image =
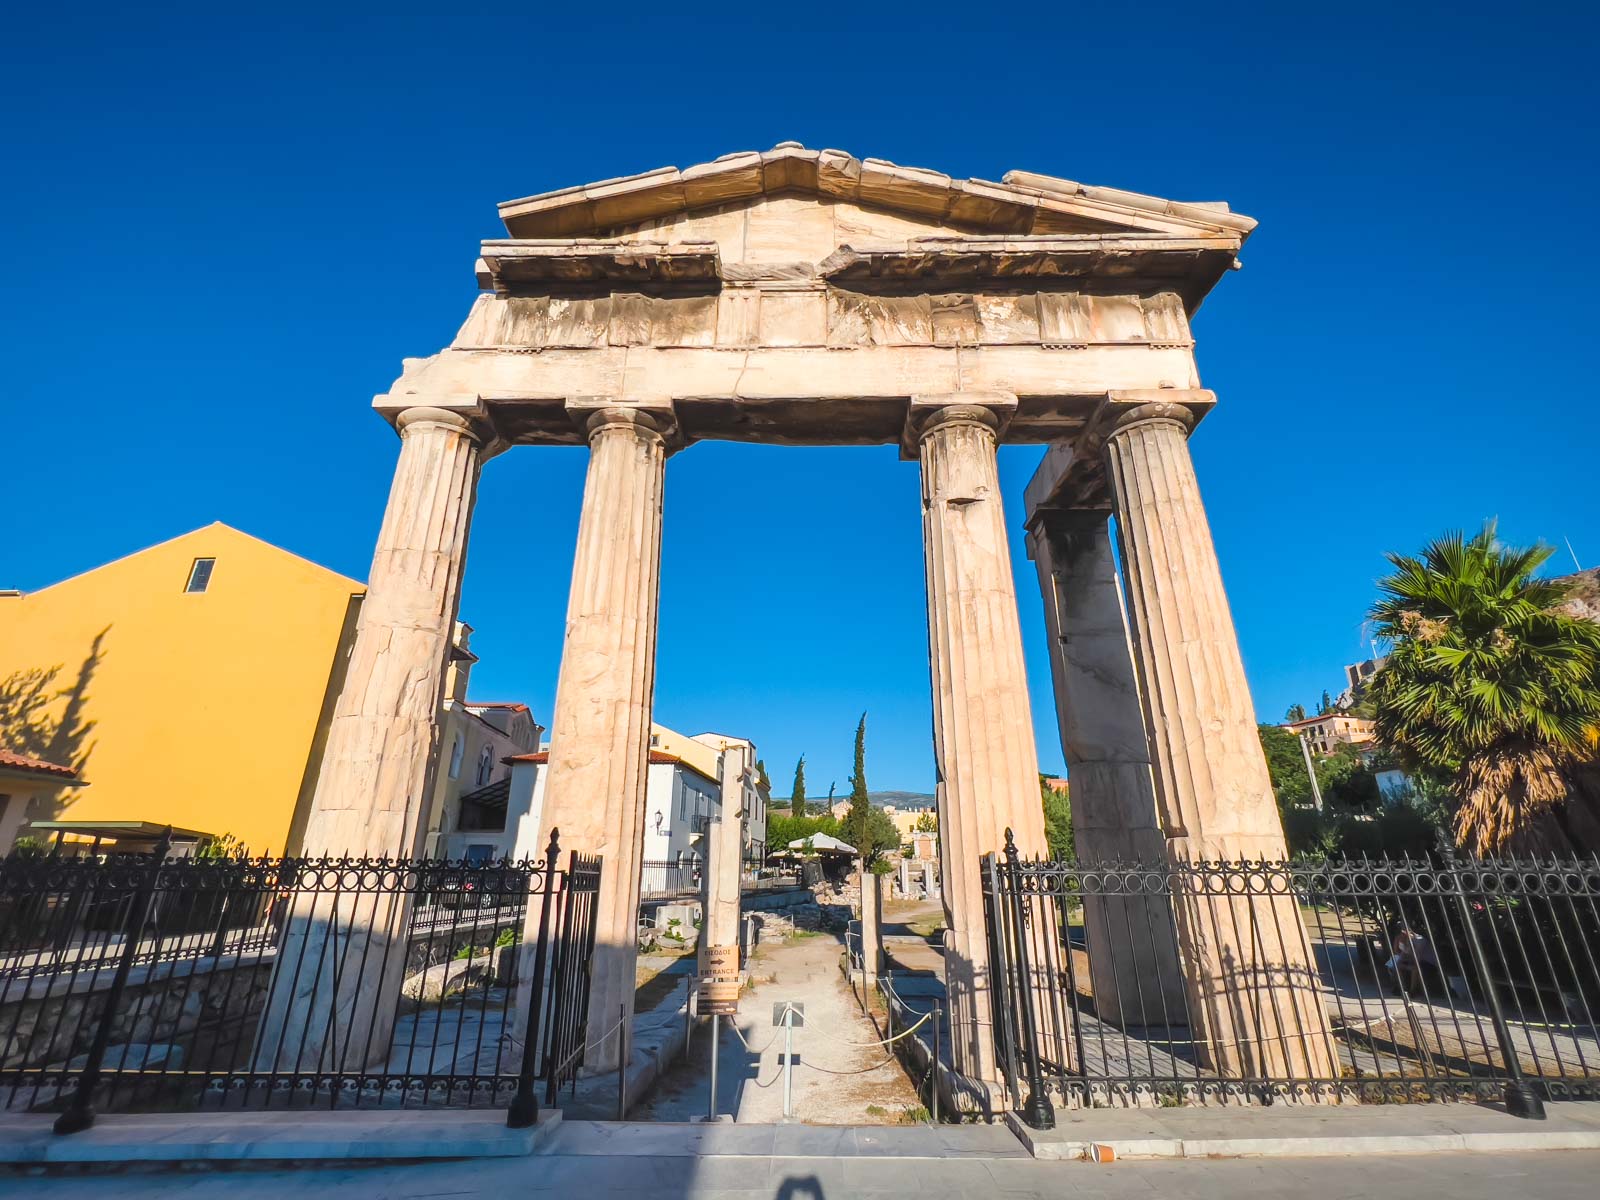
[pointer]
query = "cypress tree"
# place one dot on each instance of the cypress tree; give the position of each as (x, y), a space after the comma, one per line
(856, 827)
(797, 797)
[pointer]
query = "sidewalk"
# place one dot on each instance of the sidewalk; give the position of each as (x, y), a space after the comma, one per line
(676, 1162)
(1218, 1133)
(1309, 1130)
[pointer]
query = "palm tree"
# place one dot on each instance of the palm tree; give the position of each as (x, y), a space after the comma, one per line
(1490, 686)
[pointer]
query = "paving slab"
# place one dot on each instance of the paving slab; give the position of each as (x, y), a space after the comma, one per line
(1308, 1130)
(667, 1139)
(299, 1137)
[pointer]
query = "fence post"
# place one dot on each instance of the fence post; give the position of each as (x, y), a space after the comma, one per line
(1001, 1016)
(1036, 1110)
(937, 1015)
(524, 1110)
(622, 1063)
(79, 1114)
(1521, 1098)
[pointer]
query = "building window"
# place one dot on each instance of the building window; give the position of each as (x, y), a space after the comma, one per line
(456, 750)
(200, 575)
(486, 765)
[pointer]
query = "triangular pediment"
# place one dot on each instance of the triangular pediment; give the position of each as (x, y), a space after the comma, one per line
(866, 199)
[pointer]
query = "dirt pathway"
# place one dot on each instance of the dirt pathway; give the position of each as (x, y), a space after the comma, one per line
(835, 1083)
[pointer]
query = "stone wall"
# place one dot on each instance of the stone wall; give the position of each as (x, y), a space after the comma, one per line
(190, 1005)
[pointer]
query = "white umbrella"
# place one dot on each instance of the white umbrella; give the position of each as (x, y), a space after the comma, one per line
(822, 841)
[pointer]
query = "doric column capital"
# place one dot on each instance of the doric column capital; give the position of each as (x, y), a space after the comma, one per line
(649, 420)
(1124, 419)
(932, 411)
(426, 417)
(1126, 408)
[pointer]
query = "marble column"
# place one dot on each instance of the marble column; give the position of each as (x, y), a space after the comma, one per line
(719, 925)
(1133, 953)
(871, 924)
(377, 768)
(600, 734)
(1253, 984)
(987, 763)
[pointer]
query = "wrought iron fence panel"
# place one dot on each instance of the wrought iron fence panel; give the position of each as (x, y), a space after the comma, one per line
(1408, 979)
(670, 880)
(142, 983)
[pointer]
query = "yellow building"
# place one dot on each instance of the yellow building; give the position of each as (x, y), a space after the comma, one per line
(1326, 733)
(195, 680)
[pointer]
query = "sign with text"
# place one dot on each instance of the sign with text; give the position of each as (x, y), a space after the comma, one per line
(719, 997)
(720, 962)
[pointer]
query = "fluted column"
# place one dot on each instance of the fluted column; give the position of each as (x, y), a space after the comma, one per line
(1133, 953)
(724, 843)
(372, 793)
(982, 724)
(600, 734)
(333, 999)
(1248, 960)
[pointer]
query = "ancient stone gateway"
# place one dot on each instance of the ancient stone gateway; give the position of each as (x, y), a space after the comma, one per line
(806, 297)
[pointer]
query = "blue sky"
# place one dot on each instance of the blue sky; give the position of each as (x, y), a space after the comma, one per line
(223, 227)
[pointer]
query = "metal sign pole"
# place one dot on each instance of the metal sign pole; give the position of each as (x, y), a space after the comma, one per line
(788, 1062)
(711, 1106)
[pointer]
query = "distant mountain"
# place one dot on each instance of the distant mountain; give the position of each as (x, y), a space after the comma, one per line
(907, 800)
(901, 800)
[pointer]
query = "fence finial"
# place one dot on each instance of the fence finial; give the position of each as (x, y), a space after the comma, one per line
(554, 849)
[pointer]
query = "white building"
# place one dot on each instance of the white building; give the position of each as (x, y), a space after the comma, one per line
(738, 770)
(467, 816)
(684, 796)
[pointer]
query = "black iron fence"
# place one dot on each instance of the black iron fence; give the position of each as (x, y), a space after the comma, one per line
(686, 881)
(146, 983)
(1383, 981)
(670, 880)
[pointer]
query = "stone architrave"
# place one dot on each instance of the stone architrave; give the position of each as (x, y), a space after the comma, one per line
(1133, 954)
(987, 763)
(1253, 985)
(333, 997)
(600, 733)
(719, 925)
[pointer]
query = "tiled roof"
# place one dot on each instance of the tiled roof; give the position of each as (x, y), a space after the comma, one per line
(21, 762)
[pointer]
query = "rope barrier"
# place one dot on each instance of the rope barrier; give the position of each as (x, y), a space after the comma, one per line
(748, 1046)
(588, 1045)
(926, 1017)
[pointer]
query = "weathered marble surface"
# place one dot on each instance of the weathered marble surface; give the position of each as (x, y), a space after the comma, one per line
(1132, 948)
(371, 793)
(1252, 985)
(600, 733)
(725, 855)
(986, 760)
(379, 763)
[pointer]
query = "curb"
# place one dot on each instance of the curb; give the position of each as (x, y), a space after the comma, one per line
(298, 1138)
(1105, 1150)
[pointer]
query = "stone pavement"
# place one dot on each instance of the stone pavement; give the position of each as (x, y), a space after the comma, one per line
(668, 1162)
(834, 1083)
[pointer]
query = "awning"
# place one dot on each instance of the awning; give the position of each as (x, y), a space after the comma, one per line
(137, 831)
